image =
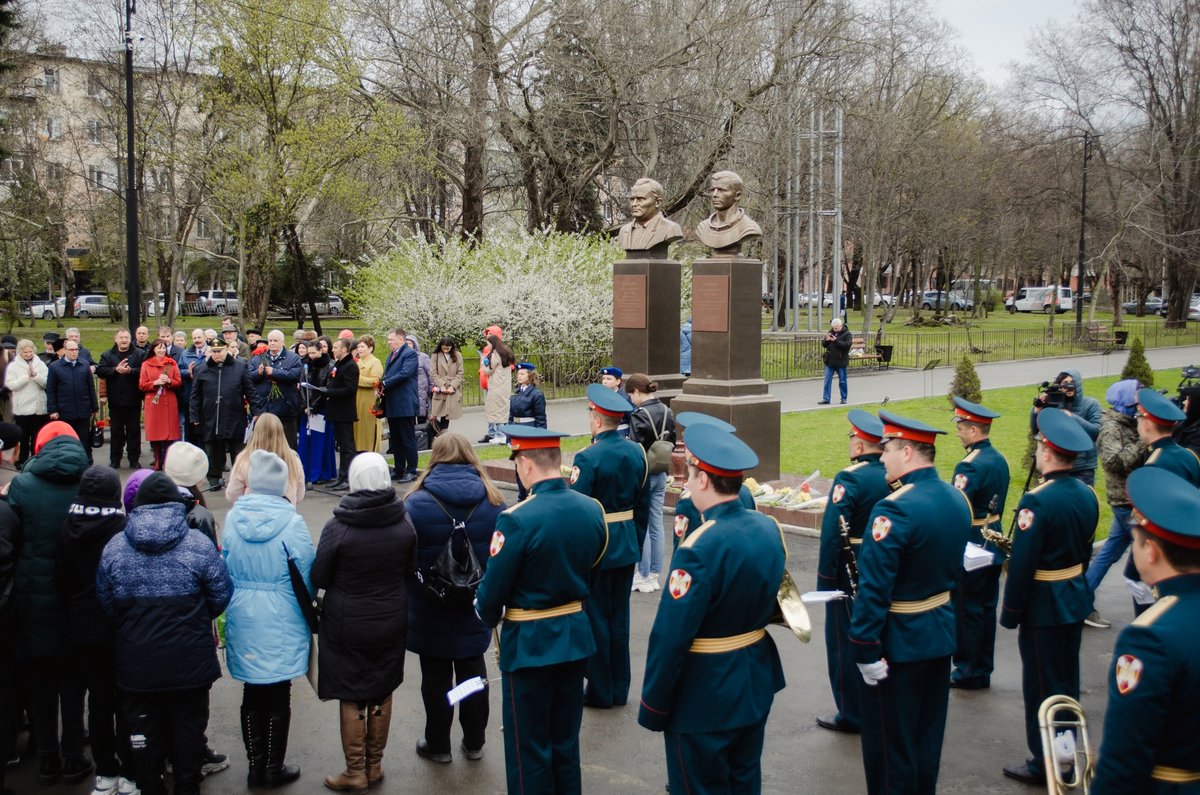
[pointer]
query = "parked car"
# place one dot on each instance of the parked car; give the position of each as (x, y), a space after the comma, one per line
(944, 300)
(154, 308)
(1154, 306)
(884, 298)
(91, 306)
(218, 302)
(1194, 308)
(48, 310)
(1040, 299)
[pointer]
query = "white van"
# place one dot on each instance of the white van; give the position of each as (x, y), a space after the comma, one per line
(1040, 299)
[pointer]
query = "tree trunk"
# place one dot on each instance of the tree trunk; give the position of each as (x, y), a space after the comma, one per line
(302, 277)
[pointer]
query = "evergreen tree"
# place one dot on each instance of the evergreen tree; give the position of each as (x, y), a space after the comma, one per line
(1136, 365)
(966, 382)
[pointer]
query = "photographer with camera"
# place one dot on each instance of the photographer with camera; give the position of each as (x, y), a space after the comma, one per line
(1066, 393)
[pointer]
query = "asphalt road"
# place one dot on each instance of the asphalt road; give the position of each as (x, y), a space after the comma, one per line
(984, 730)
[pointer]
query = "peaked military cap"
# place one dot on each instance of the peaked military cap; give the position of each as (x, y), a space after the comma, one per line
(689, 418)
(897, 427)
(1061, 433)
(1166, 505)
(1156, 407)
(719, 452)
(615, 372)
(866, 425)
(608, 402)
(218, 344)
(527, 437)
(973, 412)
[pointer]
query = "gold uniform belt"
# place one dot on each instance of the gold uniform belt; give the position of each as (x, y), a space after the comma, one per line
(521, 614)
(985, 521)
(1174, 775)
(618, 516)
(923, 606)
(854, 540)
(732, 643)
(1058, 575)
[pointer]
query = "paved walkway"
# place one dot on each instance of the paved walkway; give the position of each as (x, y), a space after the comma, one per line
(872, 387)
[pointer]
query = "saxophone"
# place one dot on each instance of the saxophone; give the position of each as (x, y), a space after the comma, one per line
(1002, 542)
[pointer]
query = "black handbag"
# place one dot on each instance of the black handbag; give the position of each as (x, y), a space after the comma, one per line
(452, 581)
(308, 605)
(97, 436)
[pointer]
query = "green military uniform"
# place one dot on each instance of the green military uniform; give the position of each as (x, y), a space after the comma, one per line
(545, 556)
(1153, 701)
(1046, 595)
(615, 473)
(712, 671)
(852, 497)
(983, 476)
(910, 564)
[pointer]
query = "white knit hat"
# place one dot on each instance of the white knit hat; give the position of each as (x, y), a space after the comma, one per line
(268, 474)
(369, 472)
(186, 464)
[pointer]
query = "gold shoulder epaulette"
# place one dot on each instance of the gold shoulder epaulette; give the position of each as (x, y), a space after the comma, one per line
(1153, 457)
(1155, 611)
(1040, 486)
(853, 467)
(969, 457)
(900, 491)
(692, 536)
(525, 501)
(686, 495)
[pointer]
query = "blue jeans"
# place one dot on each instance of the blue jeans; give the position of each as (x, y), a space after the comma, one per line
(1087, 476)
(652, 549)
(841, 374)
(1119, 538)
(494, 429)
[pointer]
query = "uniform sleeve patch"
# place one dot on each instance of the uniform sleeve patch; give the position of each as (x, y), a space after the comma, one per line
(497, 543)
(681, 523)
(1129, 671)
(679, 583)
(1024, 518)
(960, 481)
(881, 527)
(839, 491)
(574, 474)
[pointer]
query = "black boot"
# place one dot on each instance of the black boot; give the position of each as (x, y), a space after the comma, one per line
(254, 736)
(278, 773)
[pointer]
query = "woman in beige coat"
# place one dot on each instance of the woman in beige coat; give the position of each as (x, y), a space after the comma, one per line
(446, 372)
(367, 438)
(498, 364)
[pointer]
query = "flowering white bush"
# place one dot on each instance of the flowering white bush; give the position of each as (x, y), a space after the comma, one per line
(549, 292)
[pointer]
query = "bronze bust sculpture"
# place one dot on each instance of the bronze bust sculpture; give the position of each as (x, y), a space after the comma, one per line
(728, 227)
(650, 232)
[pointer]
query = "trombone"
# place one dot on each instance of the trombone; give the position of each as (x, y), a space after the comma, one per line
(1059, 746)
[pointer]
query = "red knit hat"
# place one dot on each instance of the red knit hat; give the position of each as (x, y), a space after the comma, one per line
(51, 430)
(346, 334)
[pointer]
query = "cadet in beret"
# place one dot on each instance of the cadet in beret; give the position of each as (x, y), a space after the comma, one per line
(712, 670)
(540, 572)
(614, 472)
(983, 476)
(1156, 420)
(855, 491)
(686, 515)
(612, 377)
(1152, 728)
(902, 630)
(1046, 596)
(527, 406)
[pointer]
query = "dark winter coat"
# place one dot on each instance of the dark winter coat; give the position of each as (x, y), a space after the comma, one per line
(363, 556)
(319, 373)
(434, 628)
(1084, 410)
(10, 547)
(837, 350)
(40, 497)
(70, 392)
(646, 423)
(286, 370)
(162, 584)
(342, 391)
(84, 534)
(121, 389)
(1187, 433)
(230, 380)
(199, 517)
(528, 402)
(400, 383)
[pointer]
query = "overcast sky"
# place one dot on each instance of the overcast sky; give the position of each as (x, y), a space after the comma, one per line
(995, 31)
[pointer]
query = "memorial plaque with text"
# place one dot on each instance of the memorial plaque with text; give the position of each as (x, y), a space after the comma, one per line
(710, 303)
(629, 301)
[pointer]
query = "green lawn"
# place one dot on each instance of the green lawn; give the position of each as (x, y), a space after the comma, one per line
(817, 439)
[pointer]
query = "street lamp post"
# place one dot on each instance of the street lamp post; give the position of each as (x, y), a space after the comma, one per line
(133, 275)
(1087, 155)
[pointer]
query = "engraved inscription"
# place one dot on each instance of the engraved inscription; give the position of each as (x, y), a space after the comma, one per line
(710, 303)
(629, 301)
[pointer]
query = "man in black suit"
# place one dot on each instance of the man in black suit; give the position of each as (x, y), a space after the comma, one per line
(342, 410)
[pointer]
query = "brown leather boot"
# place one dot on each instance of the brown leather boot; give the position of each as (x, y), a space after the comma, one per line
(354, 737)
(379, 721)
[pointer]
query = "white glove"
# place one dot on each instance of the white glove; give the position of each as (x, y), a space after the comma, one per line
(1141, 592)
(1064, 750)
(874, 673)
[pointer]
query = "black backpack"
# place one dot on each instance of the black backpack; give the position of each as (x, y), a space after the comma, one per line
(451, 581)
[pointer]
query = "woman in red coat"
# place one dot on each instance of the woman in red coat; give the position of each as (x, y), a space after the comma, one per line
(159, 376)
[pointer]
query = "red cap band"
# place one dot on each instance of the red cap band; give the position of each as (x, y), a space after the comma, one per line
(1042, 438)
(712, 470)
(896, 432)
(1143, 413)
(606, 412)
(536, 443)
(860, 433)
(1191, 542)
(966, 415)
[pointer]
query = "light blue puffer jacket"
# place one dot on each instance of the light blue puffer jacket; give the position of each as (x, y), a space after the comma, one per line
(265, 632)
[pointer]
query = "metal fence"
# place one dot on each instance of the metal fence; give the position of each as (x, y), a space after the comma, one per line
(563, 374)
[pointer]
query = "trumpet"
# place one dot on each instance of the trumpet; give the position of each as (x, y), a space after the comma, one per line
(1059, 746)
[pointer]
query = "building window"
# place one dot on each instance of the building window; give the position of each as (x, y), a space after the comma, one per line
(93, 131)
(94, 86)
(54, 129)
(203, 230)
(10, 169)
(95, 177)
(55, 174)
(51, 82)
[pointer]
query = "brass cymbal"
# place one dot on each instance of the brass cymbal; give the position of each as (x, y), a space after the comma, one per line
(791, 611)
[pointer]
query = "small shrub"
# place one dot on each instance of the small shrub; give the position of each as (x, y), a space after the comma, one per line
(966, 382)
(1136, 365)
